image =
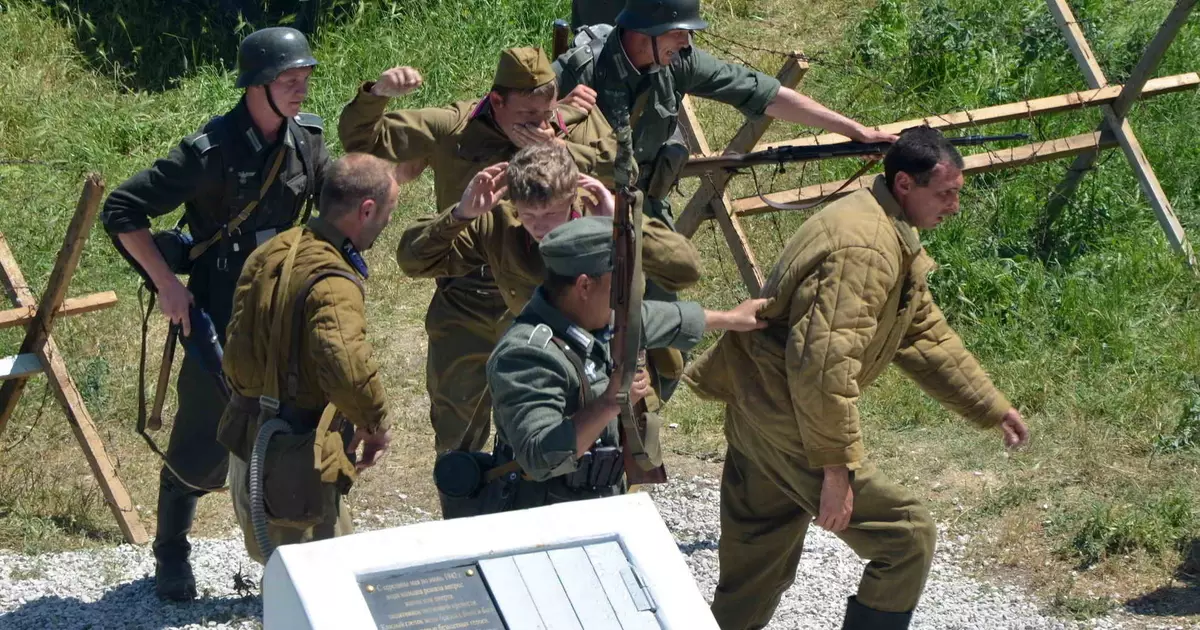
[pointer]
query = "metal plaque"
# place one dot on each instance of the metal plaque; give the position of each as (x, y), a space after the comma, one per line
(452, 598)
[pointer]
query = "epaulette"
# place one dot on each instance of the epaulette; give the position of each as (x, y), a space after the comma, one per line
(541, 336)
(202, 143)
(311, 122)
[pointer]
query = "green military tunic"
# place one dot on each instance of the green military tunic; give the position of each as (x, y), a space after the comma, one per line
(467, 313)
(536, 389)
(653, 99)
(334, 365)
(214, 173)
(446, 246)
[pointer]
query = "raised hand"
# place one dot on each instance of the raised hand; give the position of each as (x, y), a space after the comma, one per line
(486, 190)
(397, 81)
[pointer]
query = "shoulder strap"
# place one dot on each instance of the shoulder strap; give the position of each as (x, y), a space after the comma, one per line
(199, 248)
(585, 388)
(298, 324)
(269, 399)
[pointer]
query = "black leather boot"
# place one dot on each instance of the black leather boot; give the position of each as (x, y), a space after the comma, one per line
(859, 617)
(173, 579)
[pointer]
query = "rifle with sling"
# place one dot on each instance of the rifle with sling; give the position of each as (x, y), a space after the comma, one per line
(642, 457)
(788, 153)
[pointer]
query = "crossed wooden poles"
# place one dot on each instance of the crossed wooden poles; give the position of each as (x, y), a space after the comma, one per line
(39, 353)
(711, 201)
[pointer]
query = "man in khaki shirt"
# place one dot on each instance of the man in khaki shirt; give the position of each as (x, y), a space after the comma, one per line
(467, 313)
(849, 297)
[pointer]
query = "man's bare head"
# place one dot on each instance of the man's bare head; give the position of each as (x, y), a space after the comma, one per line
(358, 196)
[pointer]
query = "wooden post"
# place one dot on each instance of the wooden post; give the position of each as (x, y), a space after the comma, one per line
(703, 203)
(1114, 121)
(739, 245)
(39, 342)
(712, 200)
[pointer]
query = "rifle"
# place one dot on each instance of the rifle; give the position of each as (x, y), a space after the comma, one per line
(786, 154)
(642, 465)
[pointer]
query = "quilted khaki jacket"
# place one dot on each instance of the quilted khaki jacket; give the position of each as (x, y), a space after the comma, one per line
(849, 296)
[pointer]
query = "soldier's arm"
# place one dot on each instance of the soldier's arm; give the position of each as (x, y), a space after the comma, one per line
(668, 257)
(591, 143)
(529, 402)
(445, 246)
(169, 183)
(703, 75)
(338, 347)
(933, 356)
(824, 351)
(568, 77)
(677, 325)
(399, 136)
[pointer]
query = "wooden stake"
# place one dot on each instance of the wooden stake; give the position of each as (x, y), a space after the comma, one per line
(40, 343)
(71, 306)
(1114, 121)
(712, 191)
(1013, 111)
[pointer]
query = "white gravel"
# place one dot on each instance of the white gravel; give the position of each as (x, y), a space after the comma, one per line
(114, 588)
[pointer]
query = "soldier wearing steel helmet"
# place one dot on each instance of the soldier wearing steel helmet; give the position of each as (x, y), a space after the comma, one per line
(243, 177)
(645, 66)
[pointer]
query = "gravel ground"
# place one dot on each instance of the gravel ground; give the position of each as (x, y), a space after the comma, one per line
(114, 588)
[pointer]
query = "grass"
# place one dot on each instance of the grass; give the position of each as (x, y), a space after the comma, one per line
(1096, 337)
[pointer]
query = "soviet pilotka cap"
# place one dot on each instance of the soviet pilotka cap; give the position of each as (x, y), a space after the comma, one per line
(580, 247)
(523, 69)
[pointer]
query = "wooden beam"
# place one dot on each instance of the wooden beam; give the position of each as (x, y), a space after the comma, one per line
(20, 366)
(1078, 44)
(1014, 111)
(56, 288)
(1114, 120)
(20, 316)
(739, 245)
(711, 195)
(64, 388)
(973, 164)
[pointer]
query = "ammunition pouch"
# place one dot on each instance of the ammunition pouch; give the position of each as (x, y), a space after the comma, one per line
(668, 165)
(600, 467)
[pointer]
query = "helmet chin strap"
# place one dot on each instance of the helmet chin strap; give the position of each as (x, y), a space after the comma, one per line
(654, 47)
(271, 102)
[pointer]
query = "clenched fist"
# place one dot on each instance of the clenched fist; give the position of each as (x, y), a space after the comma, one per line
(397, 82)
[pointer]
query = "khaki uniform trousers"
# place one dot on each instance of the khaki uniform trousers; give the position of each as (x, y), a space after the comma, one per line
(337, 515)
(768, 499)
(463, 327)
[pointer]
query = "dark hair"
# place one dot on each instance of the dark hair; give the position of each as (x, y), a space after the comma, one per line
(353, 179)
(917, 152)
(555, 285)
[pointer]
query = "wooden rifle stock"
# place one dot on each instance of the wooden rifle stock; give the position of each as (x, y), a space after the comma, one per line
(154, 421)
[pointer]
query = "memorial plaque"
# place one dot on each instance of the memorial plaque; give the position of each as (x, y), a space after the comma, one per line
(453, 598)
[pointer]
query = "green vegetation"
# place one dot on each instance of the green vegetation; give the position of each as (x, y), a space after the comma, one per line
(1096, 335)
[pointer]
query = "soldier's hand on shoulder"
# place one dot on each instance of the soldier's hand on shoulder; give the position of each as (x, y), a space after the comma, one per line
(397, 81)
(599, 200)
(486, 190)
(1016, 434)
(582, 97)
(741, 318)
